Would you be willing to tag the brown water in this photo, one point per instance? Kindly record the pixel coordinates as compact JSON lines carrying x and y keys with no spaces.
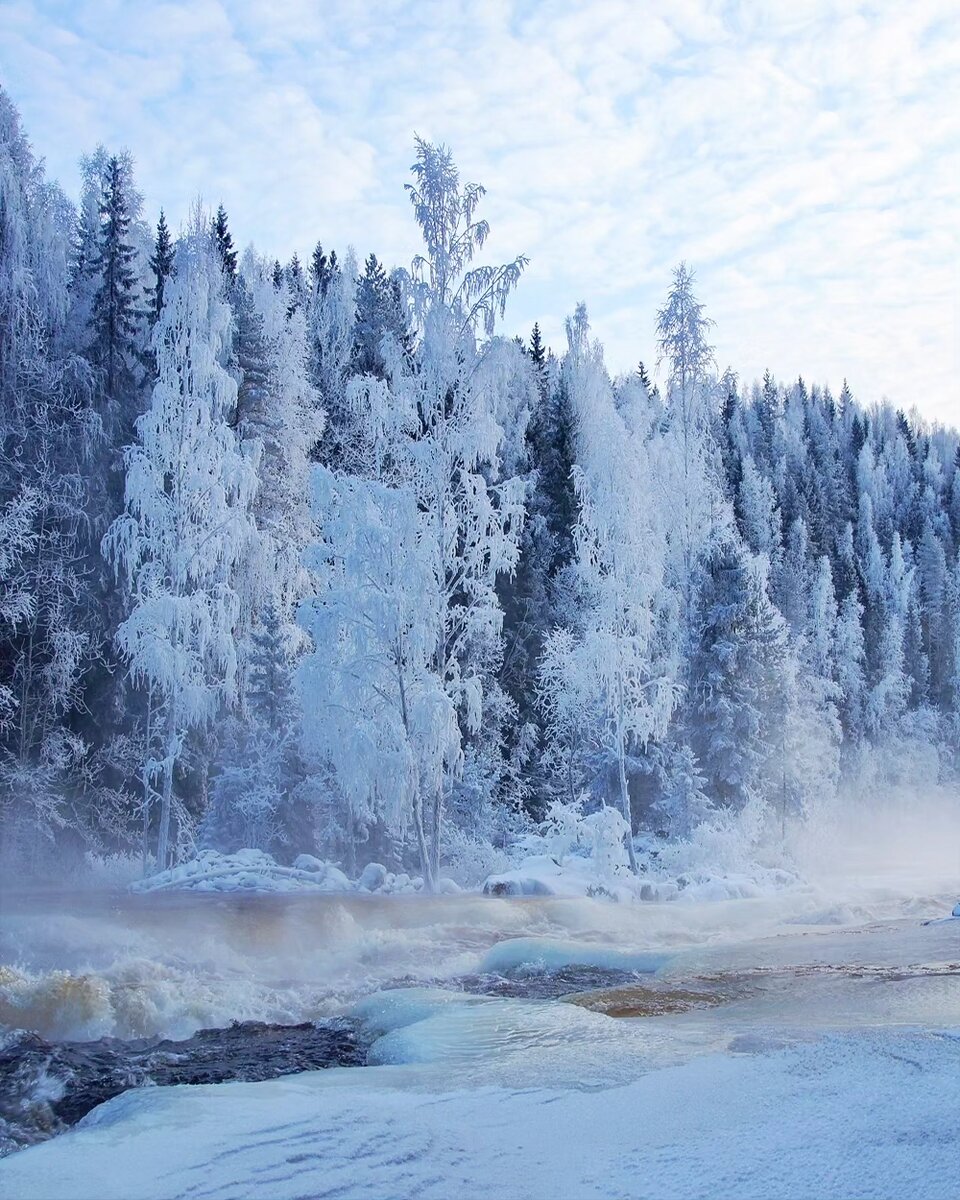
{"x":84,"y":965}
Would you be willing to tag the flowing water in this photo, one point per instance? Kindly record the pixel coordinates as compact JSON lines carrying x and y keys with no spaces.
{"x":114,"y":988}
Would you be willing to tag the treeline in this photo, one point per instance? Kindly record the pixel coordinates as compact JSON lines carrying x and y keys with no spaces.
{"x":310,"y":558}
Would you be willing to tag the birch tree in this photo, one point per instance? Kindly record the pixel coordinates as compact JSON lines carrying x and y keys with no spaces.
{"x":178,"y":545}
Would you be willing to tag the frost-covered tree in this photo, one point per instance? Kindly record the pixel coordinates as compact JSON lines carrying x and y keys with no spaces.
{"x":689,"y":464}
{"x":435,"y":431}
{"x":254,"y":790}
{"x":375,"y":708}
{"x":187,"y":525}
{"x":380,"y":313}
{"x":278,"y":407}
{"x":735,"y":678}
{"x":612,"y":666}
{"x":330,"y":324}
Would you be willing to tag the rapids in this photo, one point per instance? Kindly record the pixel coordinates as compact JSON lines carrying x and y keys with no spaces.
{"x":84,"y":965}
{"x":575,"y":993}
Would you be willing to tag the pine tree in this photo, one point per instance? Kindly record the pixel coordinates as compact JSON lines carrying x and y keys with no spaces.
{"x":296,"y":284}
{"x":537,"y":351}
{"x":735,"y":679}
{"x":644,"y":376}
{"x":322,"y":269}
{"x":223,"y":240}
{"x":161,"y":263}
{"x":116,"y":317}
{"x":379,"y":314}
{"x":904,"y":430}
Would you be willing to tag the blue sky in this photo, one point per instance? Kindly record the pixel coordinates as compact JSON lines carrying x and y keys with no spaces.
{"x":802,"y":155}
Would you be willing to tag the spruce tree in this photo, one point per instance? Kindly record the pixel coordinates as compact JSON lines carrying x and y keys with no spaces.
{"x":224,"y":242}
{"x":319,"y":266}
{"x":538,"y":353}
{"x":736,"y":677}
{"x":116,"y":317}
{"x":374,"y":319}
{"x":296,"y":283}
{"x":904,"y":430}
{"x":161,"y":263}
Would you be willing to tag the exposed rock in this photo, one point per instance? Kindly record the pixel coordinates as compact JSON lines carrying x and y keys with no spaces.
{"x":47,"y":1086}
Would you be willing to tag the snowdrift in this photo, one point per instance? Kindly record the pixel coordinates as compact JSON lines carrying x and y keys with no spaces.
{"x":256,"y":871}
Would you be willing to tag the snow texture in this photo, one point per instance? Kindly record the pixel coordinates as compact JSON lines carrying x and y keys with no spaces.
{"x":868,"y":1115}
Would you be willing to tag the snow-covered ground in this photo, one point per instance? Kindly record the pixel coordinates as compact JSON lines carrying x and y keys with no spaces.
{"x":857,"y":1115}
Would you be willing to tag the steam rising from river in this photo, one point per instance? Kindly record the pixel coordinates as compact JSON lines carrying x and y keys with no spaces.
{"x":86,"y":964}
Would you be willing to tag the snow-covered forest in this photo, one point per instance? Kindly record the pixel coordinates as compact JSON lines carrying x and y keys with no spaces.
{"x":312,"y":557}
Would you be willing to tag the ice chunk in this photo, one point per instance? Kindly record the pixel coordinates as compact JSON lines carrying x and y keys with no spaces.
{"x":467,"y":1032}
{"x":398,"y":1007}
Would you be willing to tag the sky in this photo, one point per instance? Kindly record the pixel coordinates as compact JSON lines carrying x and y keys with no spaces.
{"x":803,"y":156}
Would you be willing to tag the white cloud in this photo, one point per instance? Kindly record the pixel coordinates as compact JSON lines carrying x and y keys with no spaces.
{"x":804,"y":157}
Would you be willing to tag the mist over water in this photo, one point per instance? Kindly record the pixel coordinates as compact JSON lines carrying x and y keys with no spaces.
{"x":86,"y":964}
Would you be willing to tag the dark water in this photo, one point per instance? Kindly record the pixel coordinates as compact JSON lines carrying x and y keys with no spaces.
{"x":527,"y":984}
{"x":47,"y":1086}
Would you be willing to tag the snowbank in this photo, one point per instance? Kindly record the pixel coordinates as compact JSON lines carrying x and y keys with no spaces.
{"x":576,"y":876}
{"x":256,"y":871}
{"x":857,"y":1115}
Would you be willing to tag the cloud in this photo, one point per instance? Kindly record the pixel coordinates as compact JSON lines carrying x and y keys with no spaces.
{"x":803,"y":157}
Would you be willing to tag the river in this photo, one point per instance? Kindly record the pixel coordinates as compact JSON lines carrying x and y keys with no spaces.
{"x":468,"y":991}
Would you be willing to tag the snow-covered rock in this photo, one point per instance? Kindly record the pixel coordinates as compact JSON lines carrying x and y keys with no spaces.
{"x":307,"y":862}
{"x":336,"y":881}
{"x":515,"y":883}
{"x":255,"y":871}
{"x":372,"y":877}
{"x":243,"y":871}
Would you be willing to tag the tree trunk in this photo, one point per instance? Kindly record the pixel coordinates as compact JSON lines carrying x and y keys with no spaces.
{"x":625,"y":806}
{"x":163,"y":840}
{"x":426,"y":864}
{"x":435,"y":839}
{"x":622,"y":772}
{"x":351,"y":845}
{"x":148,"y":738}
